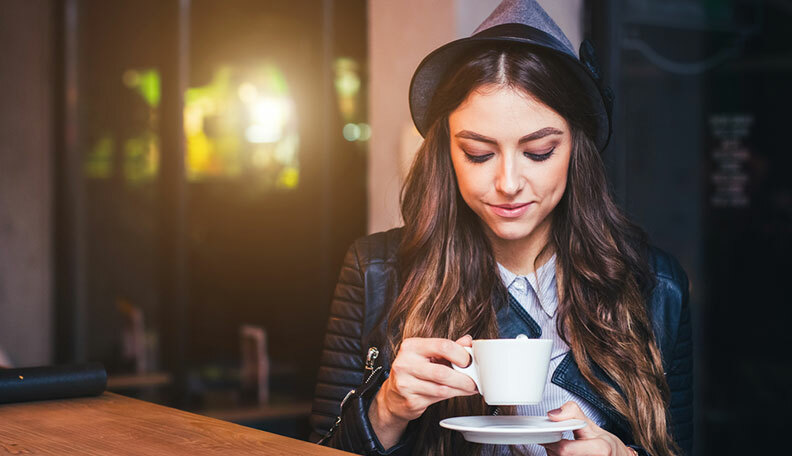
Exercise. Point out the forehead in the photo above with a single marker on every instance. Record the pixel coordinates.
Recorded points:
(503, 112)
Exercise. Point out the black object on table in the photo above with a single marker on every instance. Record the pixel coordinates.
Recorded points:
(52, 382)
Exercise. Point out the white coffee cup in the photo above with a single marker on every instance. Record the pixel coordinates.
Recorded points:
(509, 371)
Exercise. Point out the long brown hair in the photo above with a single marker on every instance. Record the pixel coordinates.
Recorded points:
(448, 274)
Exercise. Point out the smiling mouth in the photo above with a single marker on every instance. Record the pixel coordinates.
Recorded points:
(510, 206)
(509, 211)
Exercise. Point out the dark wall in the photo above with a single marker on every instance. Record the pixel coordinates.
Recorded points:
(26, 181)
(699, 160)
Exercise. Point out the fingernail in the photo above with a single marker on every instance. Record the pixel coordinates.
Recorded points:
(554, 412)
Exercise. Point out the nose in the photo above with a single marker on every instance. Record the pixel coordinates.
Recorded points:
(508, 180)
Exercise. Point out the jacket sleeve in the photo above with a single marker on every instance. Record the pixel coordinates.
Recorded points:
(673, 304)
(341, 372)
(680, 372)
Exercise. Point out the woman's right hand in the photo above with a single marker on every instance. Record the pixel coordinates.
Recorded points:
(420, 376)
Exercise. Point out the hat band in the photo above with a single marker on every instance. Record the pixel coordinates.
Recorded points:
(527, 33)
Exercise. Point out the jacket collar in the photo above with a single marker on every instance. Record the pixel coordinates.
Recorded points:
(514, 320)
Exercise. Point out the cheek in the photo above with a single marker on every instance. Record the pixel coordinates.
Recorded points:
(468, 185)
(552, 183)
(470, 181)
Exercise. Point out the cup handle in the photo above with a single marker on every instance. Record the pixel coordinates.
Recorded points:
(471, 371)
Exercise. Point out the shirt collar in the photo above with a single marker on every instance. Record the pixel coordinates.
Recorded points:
(546, 274)
(507, 276)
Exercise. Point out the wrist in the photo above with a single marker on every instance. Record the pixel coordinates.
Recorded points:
(382, 417)
(388, 427)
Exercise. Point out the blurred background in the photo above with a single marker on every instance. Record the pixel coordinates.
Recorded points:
(179, 180)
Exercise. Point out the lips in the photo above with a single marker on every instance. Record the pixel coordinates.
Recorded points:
(510, 210)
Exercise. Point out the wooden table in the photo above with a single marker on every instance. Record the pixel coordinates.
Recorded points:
(138, 381)
(256, 413)
(111, 424)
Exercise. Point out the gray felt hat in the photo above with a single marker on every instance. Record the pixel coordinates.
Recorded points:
(518, 21)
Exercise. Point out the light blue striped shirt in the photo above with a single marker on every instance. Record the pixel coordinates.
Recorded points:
(542, 307)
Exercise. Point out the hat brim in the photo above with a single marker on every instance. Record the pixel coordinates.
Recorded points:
(433, 68)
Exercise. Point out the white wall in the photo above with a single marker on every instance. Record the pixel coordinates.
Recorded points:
(401, 33)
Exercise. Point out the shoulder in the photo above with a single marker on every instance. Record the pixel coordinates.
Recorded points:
(380, 247)
(375, 259)
(667, 271)
(667, 305)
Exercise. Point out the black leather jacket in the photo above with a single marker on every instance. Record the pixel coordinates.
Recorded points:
(365, 290)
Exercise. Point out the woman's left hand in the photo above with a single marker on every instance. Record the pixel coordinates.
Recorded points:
(590, 441)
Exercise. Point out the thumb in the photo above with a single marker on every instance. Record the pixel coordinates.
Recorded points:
(572, 411)
(465, 341)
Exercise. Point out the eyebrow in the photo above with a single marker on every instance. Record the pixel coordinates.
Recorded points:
(546, 131)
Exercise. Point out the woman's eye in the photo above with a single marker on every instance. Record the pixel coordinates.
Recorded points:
(478, 158)
(540, 157)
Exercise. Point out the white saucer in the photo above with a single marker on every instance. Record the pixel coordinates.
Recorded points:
(510, 430)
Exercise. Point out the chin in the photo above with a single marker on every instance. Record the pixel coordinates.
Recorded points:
(511, 232)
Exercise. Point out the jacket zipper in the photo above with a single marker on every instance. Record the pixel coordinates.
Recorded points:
(371, 356)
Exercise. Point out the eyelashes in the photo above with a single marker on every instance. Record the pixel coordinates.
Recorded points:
(477, 158)
(482, 158)
(540, 157)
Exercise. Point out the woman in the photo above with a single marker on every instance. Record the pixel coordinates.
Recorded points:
(509, 228)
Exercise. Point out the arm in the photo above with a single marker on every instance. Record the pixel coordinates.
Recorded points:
(416, 382)
(679, 366)
(413, 382)
(680, 374)
(341, 371)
